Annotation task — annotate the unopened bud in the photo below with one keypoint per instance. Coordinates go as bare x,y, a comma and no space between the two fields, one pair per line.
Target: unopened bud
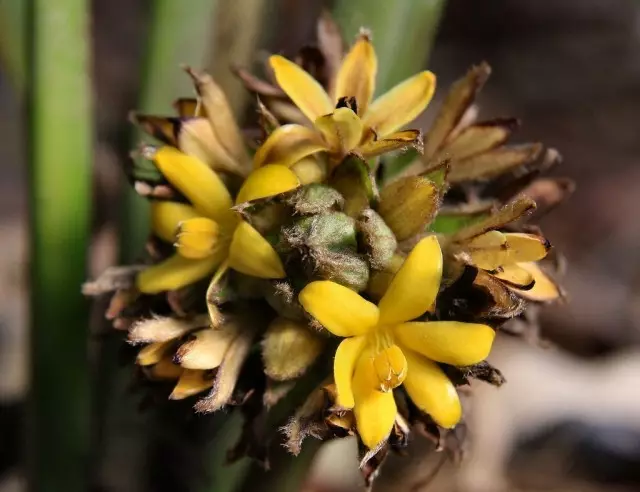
408,205
289,348
377,238
314,199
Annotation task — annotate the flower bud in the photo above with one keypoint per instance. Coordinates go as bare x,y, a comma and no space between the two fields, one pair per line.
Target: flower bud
377,238
355,182
408,205
314,199
289,348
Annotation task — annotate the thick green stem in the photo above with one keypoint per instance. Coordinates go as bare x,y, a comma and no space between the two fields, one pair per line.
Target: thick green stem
60,137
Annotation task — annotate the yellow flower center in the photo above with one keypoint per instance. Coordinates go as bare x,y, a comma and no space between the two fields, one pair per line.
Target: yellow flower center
389,363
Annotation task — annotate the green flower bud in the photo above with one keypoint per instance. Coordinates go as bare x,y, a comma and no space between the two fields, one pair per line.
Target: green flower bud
376,239
314,199
355,182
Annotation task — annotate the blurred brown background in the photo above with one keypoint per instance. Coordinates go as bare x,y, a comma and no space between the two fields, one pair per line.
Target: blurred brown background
571,71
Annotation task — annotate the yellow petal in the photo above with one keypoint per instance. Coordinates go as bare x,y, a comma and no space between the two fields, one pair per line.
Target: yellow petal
515,276
195,180
451,342
252,254
392,142
357,74
375,410
414,288
526,247
153,353
287,145
188,107
342,130
544,289
339,309
489,250
267,181
309,170
347,355
166,217
197,238
432,391
191,383
391,368
401,105
174,272
302,88
164,370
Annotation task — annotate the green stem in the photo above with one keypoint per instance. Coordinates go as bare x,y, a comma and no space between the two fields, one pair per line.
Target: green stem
60,131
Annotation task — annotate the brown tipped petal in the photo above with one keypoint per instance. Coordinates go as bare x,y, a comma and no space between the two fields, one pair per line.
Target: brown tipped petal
476,139
391,143
197,139
458,100
357,74
220,115
493,162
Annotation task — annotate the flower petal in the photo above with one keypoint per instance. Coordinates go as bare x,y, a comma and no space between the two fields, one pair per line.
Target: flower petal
401,105
197,238
392,142
344,365
432,391
339,309
205,349
287,145
302,88
375,410
341,129
526,247
489,250
191,383
197,139
252,254
451,342
357,74
414,288
195,180
174,272
166,217
514,275
153,353
544,289
267,181
309,170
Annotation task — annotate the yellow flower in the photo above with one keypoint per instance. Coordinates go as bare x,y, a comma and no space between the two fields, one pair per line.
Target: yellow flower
384,350
511,257
208,234
357,123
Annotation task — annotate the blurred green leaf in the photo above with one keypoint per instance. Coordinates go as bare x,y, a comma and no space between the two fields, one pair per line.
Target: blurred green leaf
60,138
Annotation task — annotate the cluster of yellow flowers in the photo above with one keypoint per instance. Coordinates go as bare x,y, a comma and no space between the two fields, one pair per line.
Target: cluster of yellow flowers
296,242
